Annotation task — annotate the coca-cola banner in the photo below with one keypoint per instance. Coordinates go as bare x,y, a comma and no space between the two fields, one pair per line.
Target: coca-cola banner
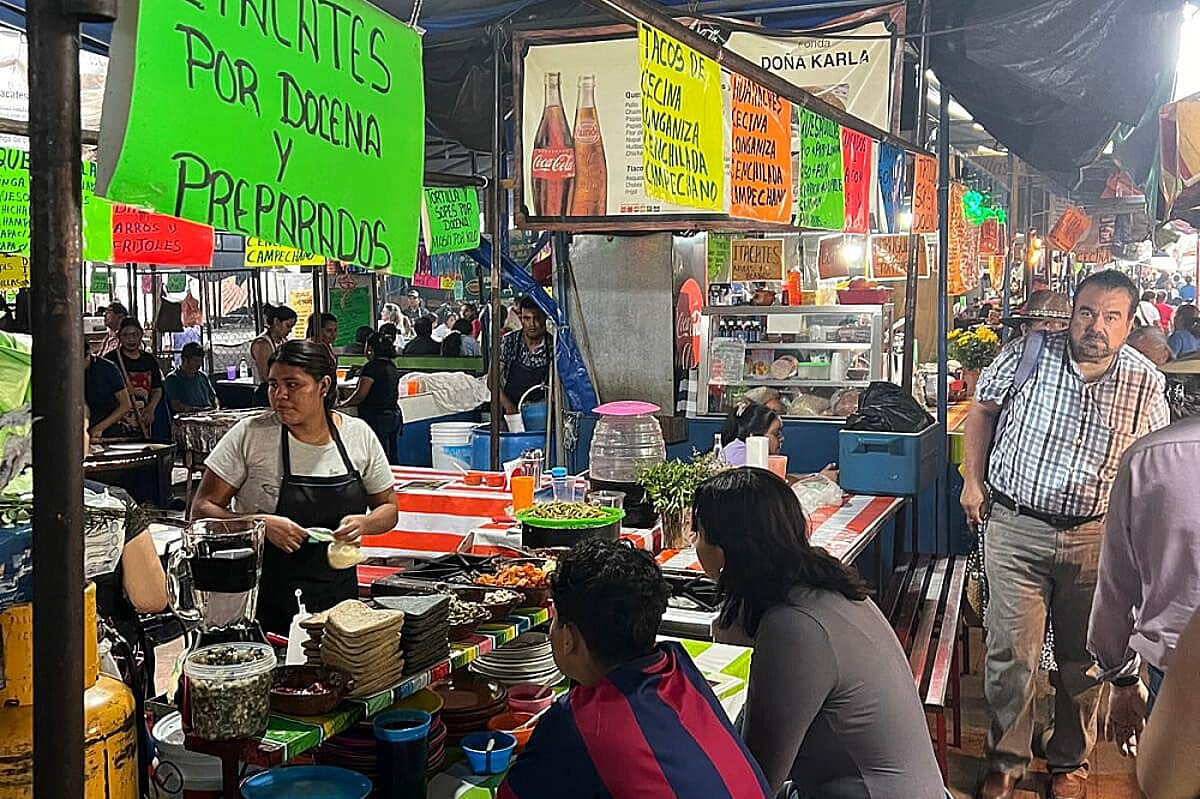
856,165
580,115
760,169
682,123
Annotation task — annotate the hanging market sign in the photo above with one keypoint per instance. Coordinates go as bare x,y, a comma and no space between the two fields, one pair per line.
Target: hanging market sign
830,262
265,254
890,254
353,307
99,282
990,237
1069,229
956,242
856,166
142,237
14,272
924,197
450,219
718,256
682,128
756,259
760,168
295,126
821,201
176,283
890,172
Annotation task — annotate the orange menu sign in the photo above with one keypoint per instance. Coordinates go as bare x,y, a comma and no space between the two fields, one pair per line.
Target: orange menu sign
957,243
760,163
1069,229
924,203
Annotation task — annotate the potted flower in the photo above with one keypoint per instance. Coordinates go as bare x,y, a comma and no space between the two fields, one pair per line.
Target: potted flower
974,349
670,486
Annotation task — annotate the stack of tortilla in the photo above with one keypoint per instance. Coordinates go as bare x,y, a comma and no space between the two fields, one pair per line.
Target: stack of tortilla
361,641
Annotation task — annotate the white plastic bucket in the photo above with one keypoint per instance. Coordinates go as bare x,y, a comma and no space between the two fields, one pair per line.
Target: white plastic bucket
450,443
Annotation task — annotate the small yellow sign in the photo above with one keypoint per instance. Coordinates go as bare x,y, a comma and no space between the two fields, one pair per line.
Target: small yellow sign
263,253
14,272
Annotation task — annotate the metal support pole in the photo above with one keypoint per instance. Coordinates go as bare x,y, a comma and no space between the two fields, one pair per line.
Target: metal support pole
56,252
943,145
1014,193
496,214
915,240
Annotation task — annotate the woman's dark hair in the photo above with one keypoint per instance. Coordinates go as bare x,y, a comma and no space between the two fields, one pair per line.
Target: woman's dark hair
381,346
1187,317
614,595
747,419
755,518
277,313
390,330
462,326
363,333
452,345
314,359
129,321
423,327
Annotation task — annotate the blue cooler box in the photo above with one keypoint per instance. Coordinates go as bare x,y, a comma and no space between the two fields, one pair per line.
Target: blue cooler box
892,464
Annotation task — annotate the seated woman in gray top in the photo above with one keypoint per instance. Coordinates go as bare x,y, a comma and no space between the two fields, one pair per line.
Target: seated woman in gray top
831,703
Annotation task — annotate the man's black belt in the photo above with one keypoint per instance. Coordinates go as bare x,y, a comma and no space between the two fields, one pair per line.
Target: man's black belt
1055,520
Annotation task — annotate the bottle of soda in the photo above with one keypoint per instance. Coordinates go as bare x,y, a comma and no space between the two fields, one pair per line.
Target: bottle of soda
552,163
589,195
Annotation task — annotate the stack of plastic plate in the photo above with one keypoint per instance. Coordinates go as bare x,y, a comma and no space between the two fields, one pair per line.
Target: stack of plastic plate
527,659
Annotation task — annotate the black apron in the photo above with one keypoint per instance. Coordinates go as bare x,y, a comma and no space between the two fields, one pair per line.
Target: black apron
521,378
309,502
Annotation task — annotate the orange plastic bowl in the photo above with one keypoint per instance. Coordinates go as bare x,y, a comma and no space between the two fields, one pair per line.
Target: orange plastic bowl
508,722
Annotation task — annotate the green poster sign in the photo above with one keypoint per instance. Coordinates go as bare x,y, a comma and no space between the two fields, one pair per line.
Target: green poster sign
450,219
353,309
297,123
718,256
99,282
176,283
14,208
821,199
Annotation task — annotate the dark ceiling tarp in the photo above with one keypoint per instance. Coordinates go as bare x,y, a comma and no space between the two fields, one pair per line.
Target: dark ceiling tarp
1055,80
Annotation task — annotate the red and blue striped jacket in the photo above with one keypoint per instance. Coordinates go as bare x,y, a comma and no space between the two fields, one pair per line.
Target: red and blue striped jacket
652,729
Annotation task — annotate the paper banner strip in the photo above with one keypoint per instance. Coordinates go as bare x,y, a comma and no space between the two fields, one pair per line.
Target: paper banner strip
924,198
856,166
760,169
261,253
450,219
682,123
820,203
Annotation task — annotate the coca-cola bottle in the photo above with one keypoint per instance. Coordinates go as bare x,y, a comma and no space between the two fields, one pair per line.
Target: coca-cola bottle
589,196
552,165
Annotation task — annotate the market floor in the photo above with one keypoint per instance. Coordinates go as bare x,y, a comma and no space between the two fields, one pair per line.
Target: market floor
1112,776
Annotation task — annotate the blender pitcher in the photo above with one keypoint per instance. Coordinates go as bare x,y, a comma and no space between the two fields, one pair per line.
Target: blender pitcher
213,579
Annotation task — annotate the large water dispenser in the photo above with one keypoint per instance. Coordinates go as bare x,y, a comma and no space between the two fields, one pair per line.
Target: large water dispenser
628,438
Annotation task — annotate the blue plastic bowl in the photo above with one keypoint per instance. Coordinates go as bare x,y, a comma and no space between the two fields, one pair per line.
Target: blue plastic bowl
311,782
480,760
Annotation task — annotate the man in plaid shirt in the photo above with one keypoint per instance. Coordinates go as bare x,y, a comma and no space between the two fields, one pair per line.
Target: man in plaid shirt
1051,418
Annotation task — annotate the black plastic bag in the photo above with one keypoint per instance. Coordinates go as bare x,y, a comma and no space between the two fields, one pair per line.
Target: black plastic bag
884,407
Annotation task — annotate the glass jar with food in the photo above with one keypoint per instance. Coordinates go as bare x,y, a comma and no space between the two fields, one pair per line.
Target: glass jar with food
229,690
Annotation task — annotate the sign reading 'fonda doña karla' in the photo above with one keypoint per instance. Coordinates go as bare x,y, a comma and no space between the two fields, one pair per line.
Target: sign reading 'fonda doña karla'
290,121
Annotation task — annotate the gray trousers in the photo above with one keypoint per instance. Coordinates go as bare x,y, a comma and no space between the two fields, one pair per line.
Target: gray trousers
1034,570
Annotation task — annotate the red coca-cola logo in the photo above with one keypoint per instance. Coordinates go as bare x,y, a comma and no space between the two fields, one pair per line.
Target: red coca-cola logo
587,131
553,163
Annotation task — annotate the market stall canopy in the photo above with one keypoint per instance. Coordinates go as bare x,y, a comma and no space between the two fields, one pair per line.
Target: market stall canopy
1180,131
1054,82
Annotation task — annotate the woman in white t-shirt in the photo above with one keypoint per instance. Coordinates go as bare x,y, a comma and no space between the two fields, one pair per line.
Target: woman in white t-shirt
300,466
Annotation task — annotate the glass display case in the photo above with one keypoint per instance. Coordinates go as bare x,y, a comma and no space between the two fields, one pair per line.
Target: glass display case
818,358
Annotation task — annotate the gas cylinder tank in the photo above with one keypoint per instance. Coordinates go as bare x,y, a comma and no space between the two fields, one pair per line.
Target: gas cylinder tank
110,732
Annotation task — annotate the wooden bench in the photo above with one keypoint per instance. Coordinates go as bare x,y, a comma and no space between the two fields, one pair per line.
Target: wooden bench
924,604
